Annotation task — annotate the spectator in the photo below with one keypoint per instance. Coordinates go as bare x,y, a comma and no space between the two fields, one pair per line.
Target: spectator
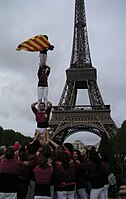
65,177
10,168
43,176
32,150
106,172
23,181
81,175
9,164
95,173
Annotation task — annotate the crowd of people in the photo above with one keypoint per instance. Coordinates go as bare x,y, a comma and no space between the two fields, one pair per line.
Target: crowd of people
49,170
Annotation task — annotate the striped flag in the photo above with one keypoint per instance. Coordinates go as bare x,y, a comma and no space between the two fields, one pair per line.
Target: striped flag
36,43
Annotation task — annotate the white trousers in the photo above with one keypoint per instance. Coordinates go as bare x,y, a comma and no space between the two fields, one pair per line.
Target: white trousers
42,197
52,192
43,58
96,193
104,193
8,195
65,194
81,194
42,95
41,130
31,190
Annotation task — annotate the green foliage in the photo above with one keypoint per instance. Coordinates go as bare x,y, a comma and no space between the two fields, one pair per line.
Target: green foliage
118,142
105,146
9,137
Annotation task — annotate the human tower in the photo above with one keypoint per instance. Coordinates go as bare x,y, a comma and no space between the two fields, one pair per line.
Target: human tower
42,107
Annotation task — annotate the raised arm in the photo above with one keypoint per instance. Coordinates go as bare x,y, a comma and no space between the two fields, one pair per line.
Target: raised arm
49,104
34,104
48,140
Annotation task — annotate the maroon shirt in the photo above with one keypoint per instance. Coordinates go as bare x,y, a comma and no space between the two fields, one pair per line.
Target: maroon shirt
11,166
42,118
43,176
95,176
65,178
81,176
43,74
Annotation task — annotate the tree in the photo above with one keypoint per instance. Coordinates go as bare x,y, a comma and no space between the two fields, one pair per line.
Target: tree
9,137
118,142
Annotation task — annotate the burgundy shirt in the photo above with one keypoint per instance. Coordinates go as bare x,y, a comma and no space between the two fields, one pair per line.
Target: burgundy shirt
42,118
81,176
43,74
43,176
65,177
95,176
11,166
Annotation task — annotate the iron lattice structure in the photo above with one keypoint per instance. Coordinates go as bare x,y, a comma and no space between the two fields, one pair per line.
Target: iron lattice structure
67,118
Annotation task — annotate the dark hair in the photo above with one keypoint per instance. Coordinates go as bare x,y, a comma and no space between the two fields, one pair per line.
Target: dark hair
59,155
33,148
69,146
9,153
22,154
43,103
25,143
79,156
65,160
45,36
36,145
94,157
104,156
43,162
59,152
60,148
47,152
2,151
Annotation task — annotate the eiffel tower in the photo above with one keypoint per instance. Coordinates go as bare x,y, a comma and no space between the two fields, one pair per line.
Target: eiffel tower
68,118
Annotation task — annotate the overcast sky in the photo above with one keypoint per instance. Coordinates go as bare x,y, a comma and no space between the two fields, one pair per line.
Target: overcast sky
20,20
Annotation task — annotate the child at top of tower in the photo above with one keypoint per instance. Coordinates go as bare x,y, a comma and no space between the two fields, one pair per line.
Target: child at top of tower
43,53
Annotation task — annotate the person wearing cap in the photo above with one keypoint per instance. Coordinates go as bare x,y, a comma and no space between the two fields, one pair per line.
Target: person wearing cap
10,170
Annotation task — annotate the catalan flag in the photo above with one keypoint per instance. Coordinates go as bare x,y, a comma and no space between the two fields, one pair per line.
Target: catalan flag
36,43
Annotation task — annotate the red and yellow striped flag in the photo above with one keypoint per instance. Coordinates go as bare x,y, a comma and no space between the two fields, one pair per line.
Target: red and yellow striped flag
36,43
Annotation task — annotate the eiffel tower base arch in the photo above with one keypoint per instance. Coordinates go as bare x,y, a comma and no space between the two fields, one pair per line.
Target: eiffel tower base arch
66,121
